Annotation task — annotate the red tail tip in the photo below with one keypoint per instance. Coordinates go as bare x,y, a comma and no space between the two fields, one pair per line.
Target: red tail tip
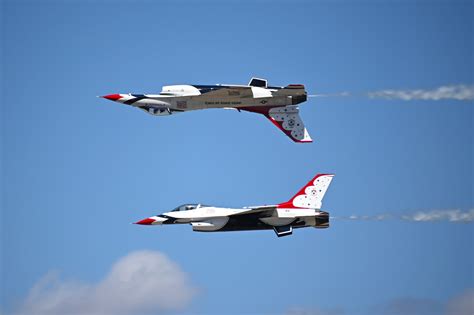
112,97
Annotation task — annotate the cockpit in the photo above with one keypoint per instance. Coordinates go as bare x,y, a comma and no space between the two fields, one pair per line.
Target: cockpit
188,206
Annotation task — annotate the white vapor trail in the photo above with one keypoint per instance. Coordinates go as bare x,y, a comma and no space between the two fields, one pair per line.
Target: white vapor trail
441,215
448,215
458,92
345,93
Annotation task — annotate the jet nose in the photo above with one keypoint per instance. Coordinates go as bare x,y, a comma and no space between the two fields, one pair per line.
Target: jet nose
147,221
112,97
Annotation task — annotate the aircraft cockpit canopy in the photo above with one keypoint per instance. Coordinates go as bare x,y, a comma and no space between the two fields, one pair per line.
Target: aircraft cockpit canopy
188,206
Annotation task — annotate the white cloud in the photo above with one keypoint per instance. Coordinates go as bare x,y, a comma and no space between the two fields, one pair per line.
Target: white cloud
313,311
409,306
462,304
140,283
459,92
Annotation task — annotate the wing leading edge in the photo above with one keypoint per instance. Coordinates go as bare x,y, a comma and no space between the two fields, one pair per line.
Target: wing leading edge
285,118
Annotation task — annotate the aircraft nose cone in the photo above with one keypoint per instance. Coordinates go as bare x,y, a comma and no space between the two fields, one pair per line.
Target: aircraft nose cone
146,221
112,97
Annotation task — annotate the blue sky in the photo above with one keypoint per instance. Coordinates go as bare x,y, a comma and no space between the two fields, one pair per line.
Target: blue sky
76,169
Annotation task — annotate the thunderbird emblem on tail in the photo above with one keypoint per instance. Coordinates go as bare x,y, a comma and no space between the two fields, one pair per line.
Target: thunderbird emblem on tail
278,104
302,210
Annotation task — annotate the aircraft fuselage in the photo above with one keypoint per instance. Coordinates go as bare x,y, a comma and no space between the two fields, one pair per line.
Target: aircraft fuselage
278,104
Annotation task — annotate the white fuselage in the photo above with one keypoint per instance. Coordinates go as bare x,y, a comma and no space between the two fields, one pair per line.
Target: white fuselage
278,104
209,218
187,98
302,210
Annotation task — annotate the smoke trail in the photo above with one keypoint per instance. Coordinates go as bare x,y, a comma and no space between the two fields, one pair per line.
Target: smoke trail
441,215
341,94
458,92
448,215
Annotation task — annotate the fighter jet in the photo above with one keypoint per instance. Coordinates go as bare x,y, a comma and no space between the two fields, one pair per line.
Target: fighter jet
278,104
302,210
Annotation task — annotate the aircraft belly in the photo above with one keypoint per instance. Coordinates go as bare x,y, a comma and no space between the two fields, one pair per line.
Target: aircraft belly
187,103
275,221
250,222
203,103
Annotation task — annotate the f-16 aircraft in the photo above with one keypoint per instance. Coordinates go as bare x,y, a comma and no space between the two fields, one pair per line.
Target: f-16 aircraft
302,210
278,104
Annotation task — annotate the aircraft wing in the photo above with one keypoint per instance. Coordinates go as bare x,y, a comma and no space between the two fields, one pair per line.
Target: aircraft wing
285,118
256,209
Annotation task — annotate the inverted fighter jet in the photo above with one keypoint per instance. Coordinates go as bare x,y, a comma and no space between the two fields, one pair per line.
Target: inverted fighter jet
302,210
278,104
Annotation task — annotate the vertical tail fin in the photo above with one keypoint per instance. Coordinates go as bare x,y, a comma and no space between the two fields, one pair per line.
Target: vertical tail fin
311,195
257,82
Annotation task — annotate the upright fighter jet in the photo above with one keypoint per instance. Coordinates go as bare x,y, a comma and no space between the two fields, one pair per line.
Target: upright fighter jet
278,104
302,210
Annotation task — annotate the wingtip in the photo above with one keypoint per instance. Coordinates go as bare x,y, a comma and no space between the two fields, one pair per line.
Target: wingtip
304,141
